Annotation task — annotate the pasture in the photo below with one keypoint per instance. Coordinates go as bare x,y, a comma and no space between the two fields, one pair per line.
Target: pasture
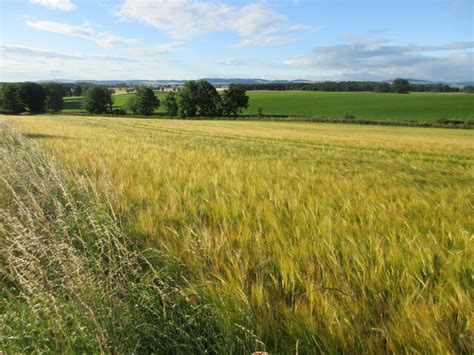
420,107
332,237
364,105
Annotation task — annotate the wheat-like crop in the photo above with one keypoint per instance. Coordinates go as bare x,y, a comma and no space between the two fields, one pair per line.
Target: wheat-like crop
322,238
71,281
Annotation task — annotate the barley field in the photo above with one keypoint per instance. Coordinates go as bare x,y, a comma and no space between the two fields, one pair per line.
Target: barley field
316,237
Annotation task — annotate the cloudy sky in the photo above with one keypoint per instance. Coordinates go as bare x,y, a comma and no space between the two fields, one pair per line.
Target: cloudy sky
270,39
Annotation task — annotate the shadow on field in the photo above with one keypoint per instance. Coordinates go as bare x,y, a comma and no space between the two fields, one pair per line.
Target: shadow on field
44,136
72,104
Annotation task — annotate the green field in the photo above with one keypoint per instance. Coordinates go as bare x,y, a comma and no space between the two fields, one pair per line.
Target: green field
72,104
363,105
341,238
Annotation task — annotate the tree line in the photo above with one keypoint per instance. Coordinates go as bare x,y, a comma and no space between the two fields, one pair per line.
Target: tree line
32,97
200,98
353,86
195,98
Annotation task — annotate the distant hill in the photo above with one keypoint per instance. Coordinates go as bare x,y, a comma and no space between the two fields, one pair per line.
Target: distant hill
227,82
213,81
466,83
420,81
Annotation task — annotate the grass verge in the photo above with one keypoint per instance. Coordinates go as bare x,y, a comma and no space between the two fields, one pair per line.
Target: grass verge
71,281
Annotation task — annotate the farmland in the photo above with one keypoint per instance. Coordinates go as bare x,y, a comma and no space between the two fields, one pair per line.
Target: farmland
362,105
337,238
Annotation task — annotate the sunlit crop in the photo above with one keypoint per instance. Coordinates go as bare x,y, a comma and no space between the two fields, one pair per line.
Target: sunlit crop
330,238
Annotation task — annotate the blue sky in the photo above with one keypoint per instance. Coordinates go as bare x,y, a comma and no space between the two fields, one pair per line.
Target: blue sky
269,39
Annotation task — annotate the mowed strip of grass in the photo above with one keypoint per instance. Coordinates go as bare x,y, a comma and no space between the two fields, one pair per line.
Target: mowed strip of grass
420,107
329,237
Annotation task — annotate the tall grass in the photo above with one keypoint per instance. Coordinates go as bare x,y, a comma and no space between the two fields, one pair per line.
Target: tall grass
326,238
72,282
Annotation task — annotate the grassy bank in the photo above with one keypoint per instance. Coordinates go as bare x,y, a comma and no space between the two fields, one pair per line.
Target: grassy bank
71,281
332,237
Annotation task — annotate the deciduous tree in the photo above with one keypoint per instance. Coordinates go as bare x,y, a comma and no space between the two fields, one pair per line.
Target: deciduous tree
34,97
171,104
234,100
143,102
208,101
54,97
382,87
12,98
98,99
188,99
400,86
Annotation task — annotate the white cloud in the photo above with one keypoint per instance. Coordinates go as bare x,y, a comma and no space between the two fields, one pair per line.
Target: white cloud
373,58
103,39
157,50
262,41
181,19
65,5
46,64
17,52
444,47
240,62
256,24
